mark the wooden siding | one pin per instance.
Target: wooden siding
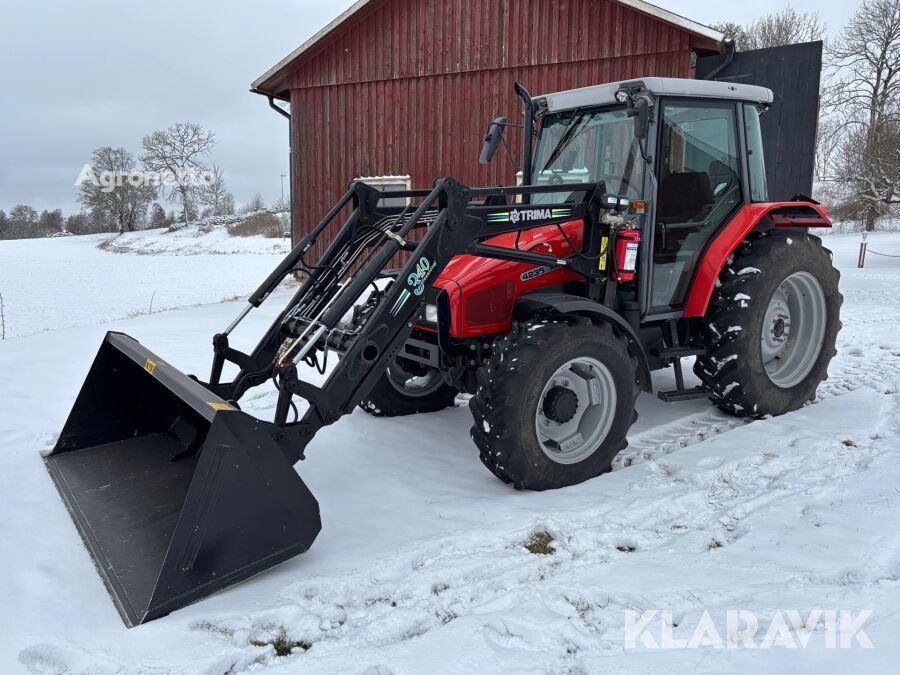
(409, 86)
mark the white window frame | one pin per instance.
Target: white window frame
(380, 182)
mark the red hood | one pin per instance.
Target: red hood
(466, 275)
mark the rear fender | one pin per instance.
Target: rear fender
(566, 303)
(749, 217)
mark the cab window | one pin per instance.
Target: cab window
(587, 146)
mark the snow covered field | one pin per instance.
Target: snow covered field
(68, 281)
(420, 566)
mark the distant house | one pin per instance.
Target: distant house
(403, 90)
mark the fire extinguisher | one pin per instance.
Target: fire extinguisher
(626, 250)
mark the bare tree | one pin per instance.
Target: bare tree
(22, 222)
(829, 139)
(178, 153)
(872, 169)
(733, 30)
(110, 192)
(256, 203)
(213, 194)
(228, 204)
(78, 224)
(864, 98)
(51, 221)
(23, 214)
(785, 27)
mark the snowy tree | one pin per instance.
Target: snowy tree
(4, 225)
(863, 96)
(111, 193)
(178, 153)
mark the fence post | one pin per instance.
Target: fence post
(862, 251)
(2, 319)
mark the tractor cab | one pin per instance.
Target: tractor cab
(688, 151)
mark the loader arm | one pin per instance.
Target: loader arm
(449, 223)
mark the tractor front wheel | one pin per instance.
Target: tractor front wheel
(555, 402)
(407, 388)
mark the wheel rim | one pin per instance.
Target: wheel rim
(411, 384)
(593, 409)
(793, 329)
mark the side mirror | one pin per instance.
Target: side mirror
(492, 140)
(641, 114)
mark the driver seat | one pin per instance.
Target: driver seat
(683, 196)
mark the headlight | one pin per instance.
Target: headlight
(431, 313)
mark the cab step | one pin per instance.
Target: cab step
(676, 395)
(678, 352)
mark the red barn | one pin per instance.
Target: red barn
(405, 88)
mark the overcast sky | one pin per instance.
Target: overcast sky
(75, 75)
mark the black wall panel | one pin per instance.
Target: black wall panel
(789, 127)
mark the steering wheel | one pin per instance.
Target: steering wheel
(555, 178)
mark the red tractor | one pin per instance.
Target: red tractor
(696, 262)
(641, 235)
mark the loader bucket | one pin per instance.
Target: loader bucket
(176, 493)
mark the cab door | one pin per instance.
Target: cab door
(699, 187)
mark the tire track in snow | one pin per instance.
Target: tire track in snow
(487, 578)
(667, 438)
(423, 590)
(851, 369)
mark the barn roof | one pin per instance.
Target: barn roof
(267, 82)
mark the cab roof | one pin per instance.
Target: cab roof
(604, 94)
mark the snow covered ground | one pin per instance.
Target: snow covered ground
(62, 282)
(420, 566)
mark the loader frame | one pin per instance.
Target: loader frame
(358, 255)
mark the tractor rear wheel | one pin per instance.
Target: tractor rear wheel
(407, 388)
(555, 402)
(771, 325)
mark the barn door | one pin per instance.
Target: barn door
(789, 127)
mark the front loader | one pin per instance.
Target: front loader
(640, 237)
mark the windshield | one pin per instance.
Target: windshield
(586, 146)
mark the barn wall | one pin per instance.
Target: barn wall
(371, 103)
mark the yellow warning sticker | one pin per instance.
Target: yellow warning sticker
(604, 244)
(149, 365)
(220, 406)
